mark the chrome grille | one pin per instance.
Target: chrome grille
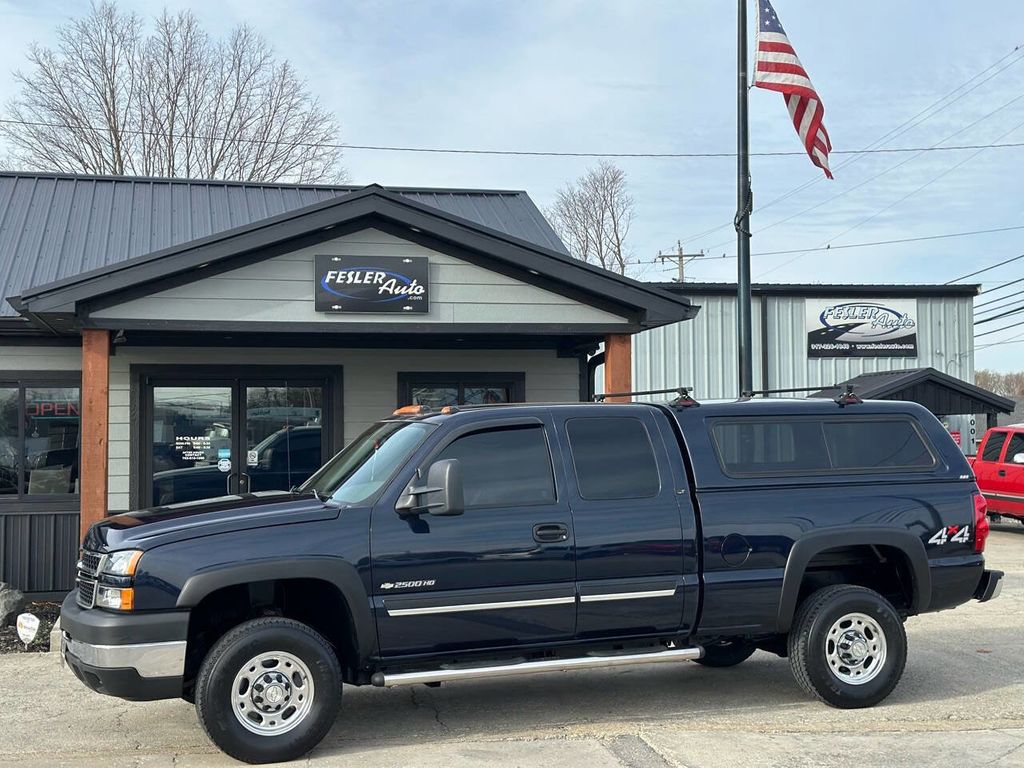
(86, 593)
(90, 562)
(89, 565)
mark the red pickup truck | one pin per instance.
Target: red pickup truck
(999, 470)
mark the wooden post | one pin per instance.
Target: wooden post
(95, 416)
(618, 365)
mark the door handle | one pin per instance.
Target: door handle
(1002, 473)
(548, 532)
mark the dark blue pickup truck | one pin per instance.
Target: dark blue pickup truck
(506, 540)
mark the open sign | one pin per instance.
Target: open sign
(50, 409)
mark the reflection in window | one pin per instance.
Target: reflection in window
(39, 440)
(283, 435)
(9, 441)
(504, 467)
(436, 390)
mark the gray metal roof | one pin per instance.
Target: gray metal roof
(827, 289)
(55, 226)
(937, 391)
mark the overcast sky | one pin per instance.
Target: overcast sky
(594, 76)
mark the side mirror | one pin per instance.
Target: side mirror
(442, 495)
(1018, 458)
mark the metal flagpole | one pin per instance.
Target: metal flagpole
(744, 204)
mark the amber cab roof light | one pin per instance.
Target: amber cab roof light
(411, 410)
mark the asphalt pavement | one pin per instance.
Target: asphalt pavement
(960, 703)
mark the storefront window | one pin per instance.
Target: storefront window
(437, 390)
(39, 440)
(8, 441)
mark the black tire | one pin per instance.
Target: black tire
(810, 646)
(727, 654)
(215, 699)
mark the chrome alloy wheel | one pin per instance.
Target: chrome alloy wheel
(272, 693)
(855, 648)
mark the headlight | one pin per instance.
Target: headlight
(122, 563)
(113, 597)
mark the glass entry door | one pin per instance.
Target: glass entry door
(210, 437)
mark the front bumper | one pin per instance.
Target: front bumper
(989, 586)
(140, 657)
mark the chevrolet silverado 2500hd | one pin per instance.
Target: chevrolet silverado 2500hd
(506, 540)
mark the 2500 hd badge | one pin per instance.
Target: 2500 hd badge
(816, 545)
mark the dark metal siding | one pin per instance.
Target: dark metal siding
(38, 550)
(53, 227)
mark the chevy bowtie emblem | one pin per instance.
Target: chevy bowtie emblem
(387, 585)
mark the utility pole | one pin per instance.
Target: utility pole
(744, 204)
(679, 258)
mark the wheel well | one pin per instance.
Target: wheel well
(316, 603)
(885, 569)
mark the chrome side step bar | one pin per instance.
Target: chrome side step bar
(388, 680)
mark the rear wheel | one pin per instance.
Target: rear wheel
(847, 646)
(268, 691)
(726, 654)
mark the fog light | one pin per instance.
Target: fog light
(118, 599)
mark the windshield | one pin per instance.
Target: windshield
(368, 462)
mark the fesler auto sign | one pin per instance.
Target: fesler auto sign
(372, 284)
(861, 328)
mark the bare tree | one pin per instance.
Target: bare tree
(1006, 384)
(592, 215)
(112, 99)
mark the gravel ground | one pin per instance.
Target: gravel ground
(961, 703)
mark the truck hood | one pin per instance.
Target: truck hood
(150, 528)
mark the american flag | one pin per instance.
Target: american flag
(777, 68)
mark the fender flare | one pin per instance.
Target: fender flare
(805, 548)
(340, 573)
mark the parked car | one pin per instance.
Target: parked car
(506, 540)
(999, 470)
(287, 457)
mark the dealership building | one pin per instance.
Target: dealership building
(167, 340)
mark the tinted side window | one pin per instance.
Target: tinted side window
(504, 467)
(876, 444)
(994, 446)
(1016, 446)
(770, 447)
(613, 458)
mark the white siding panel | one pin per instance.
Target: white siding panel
(702, 352)
(698, 353)
(41, 358)
(280, 289)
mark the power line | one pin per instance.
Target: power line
(876, 242)
(502, 152)
(999, 317)
(997, 330)
(1018, 339)
(907, 196)
(1007, 301)
(986, 269)
(897, 131)
(1000, 287)
(878, 175)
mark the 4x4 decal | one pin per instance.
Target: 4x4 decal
(961, 534)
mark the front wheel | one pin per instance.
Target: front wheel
(268, 691)
(847, 646)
